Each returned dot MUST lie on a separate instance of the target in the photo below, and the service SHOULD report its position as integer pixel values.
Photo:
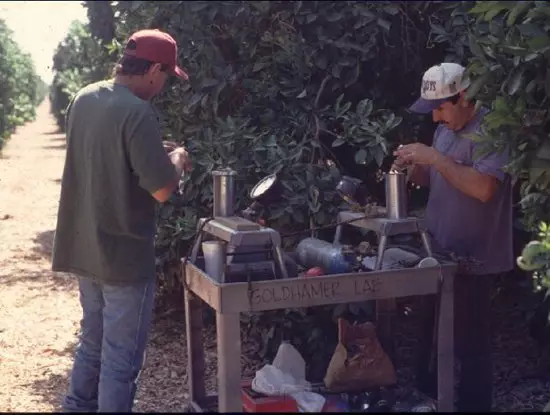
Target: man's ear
(155, 68)
(463, 103)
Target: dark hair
(130, 65)
(454, 99)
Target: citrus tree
(21, 89)
(79, 59)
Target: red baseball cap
(155, 46)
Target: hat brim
(425, 106)
(180, 73)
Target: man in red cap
(116, 171)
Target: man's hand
(416, 153)
(169, 146)
(181, 160)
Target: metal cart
(229, 300)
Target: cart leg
(426, 241)
(337, 235)
(229, 362)
(195, 350)
(385, 309)
(195, 250)
(445, 348)
(281, 260)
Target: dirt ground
(39, 311)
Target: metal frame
(384, 227)
(229, 300)
(261, 236)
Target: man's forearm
(465, 178)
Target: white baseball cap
(439, 83)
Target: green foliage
(79, 60)
(284, 87)
(21, 90)
(536, 257)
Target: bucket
(214, 259)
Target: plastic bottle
(313, 252)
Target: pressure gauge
(263, 186)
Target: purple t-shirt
(465, 225)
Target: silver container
(224, 192)
(313, 252)
(214, 259)
(396, 195)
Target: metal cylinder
(313, 252)
(396, 195)
(224, 192)
(214, 259)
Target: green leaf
(491, 14)
(364, 108)
(361, 156)
(258, 66)
(515, 50)
(438, 29)
(531, 30)
(481, 7)
(321, 61)
(391, 9)
(379, 155)
(384, 24)
(543, 151)
(518, 9)
(538, 43)
(195, 6)
(334, 17)
(262, 6)
(338, 142)
(476, 86)
(310, 18)
(475, 47)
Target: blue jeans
(110, 354)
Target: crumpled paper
(286, 376)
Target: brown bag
(359, 362)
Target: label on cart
(304, 290)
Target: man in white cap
(469, 212)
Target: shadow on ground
(42, 249)
(55, 131)
(43, 244)
(51, 387)
(55, 147)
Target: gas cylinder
(313, 252)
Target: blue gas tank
(313, 252)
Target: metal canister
(313, 252)
(223, 187)
(396, 195)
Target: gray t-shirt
(463, 224)
(115, 159)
